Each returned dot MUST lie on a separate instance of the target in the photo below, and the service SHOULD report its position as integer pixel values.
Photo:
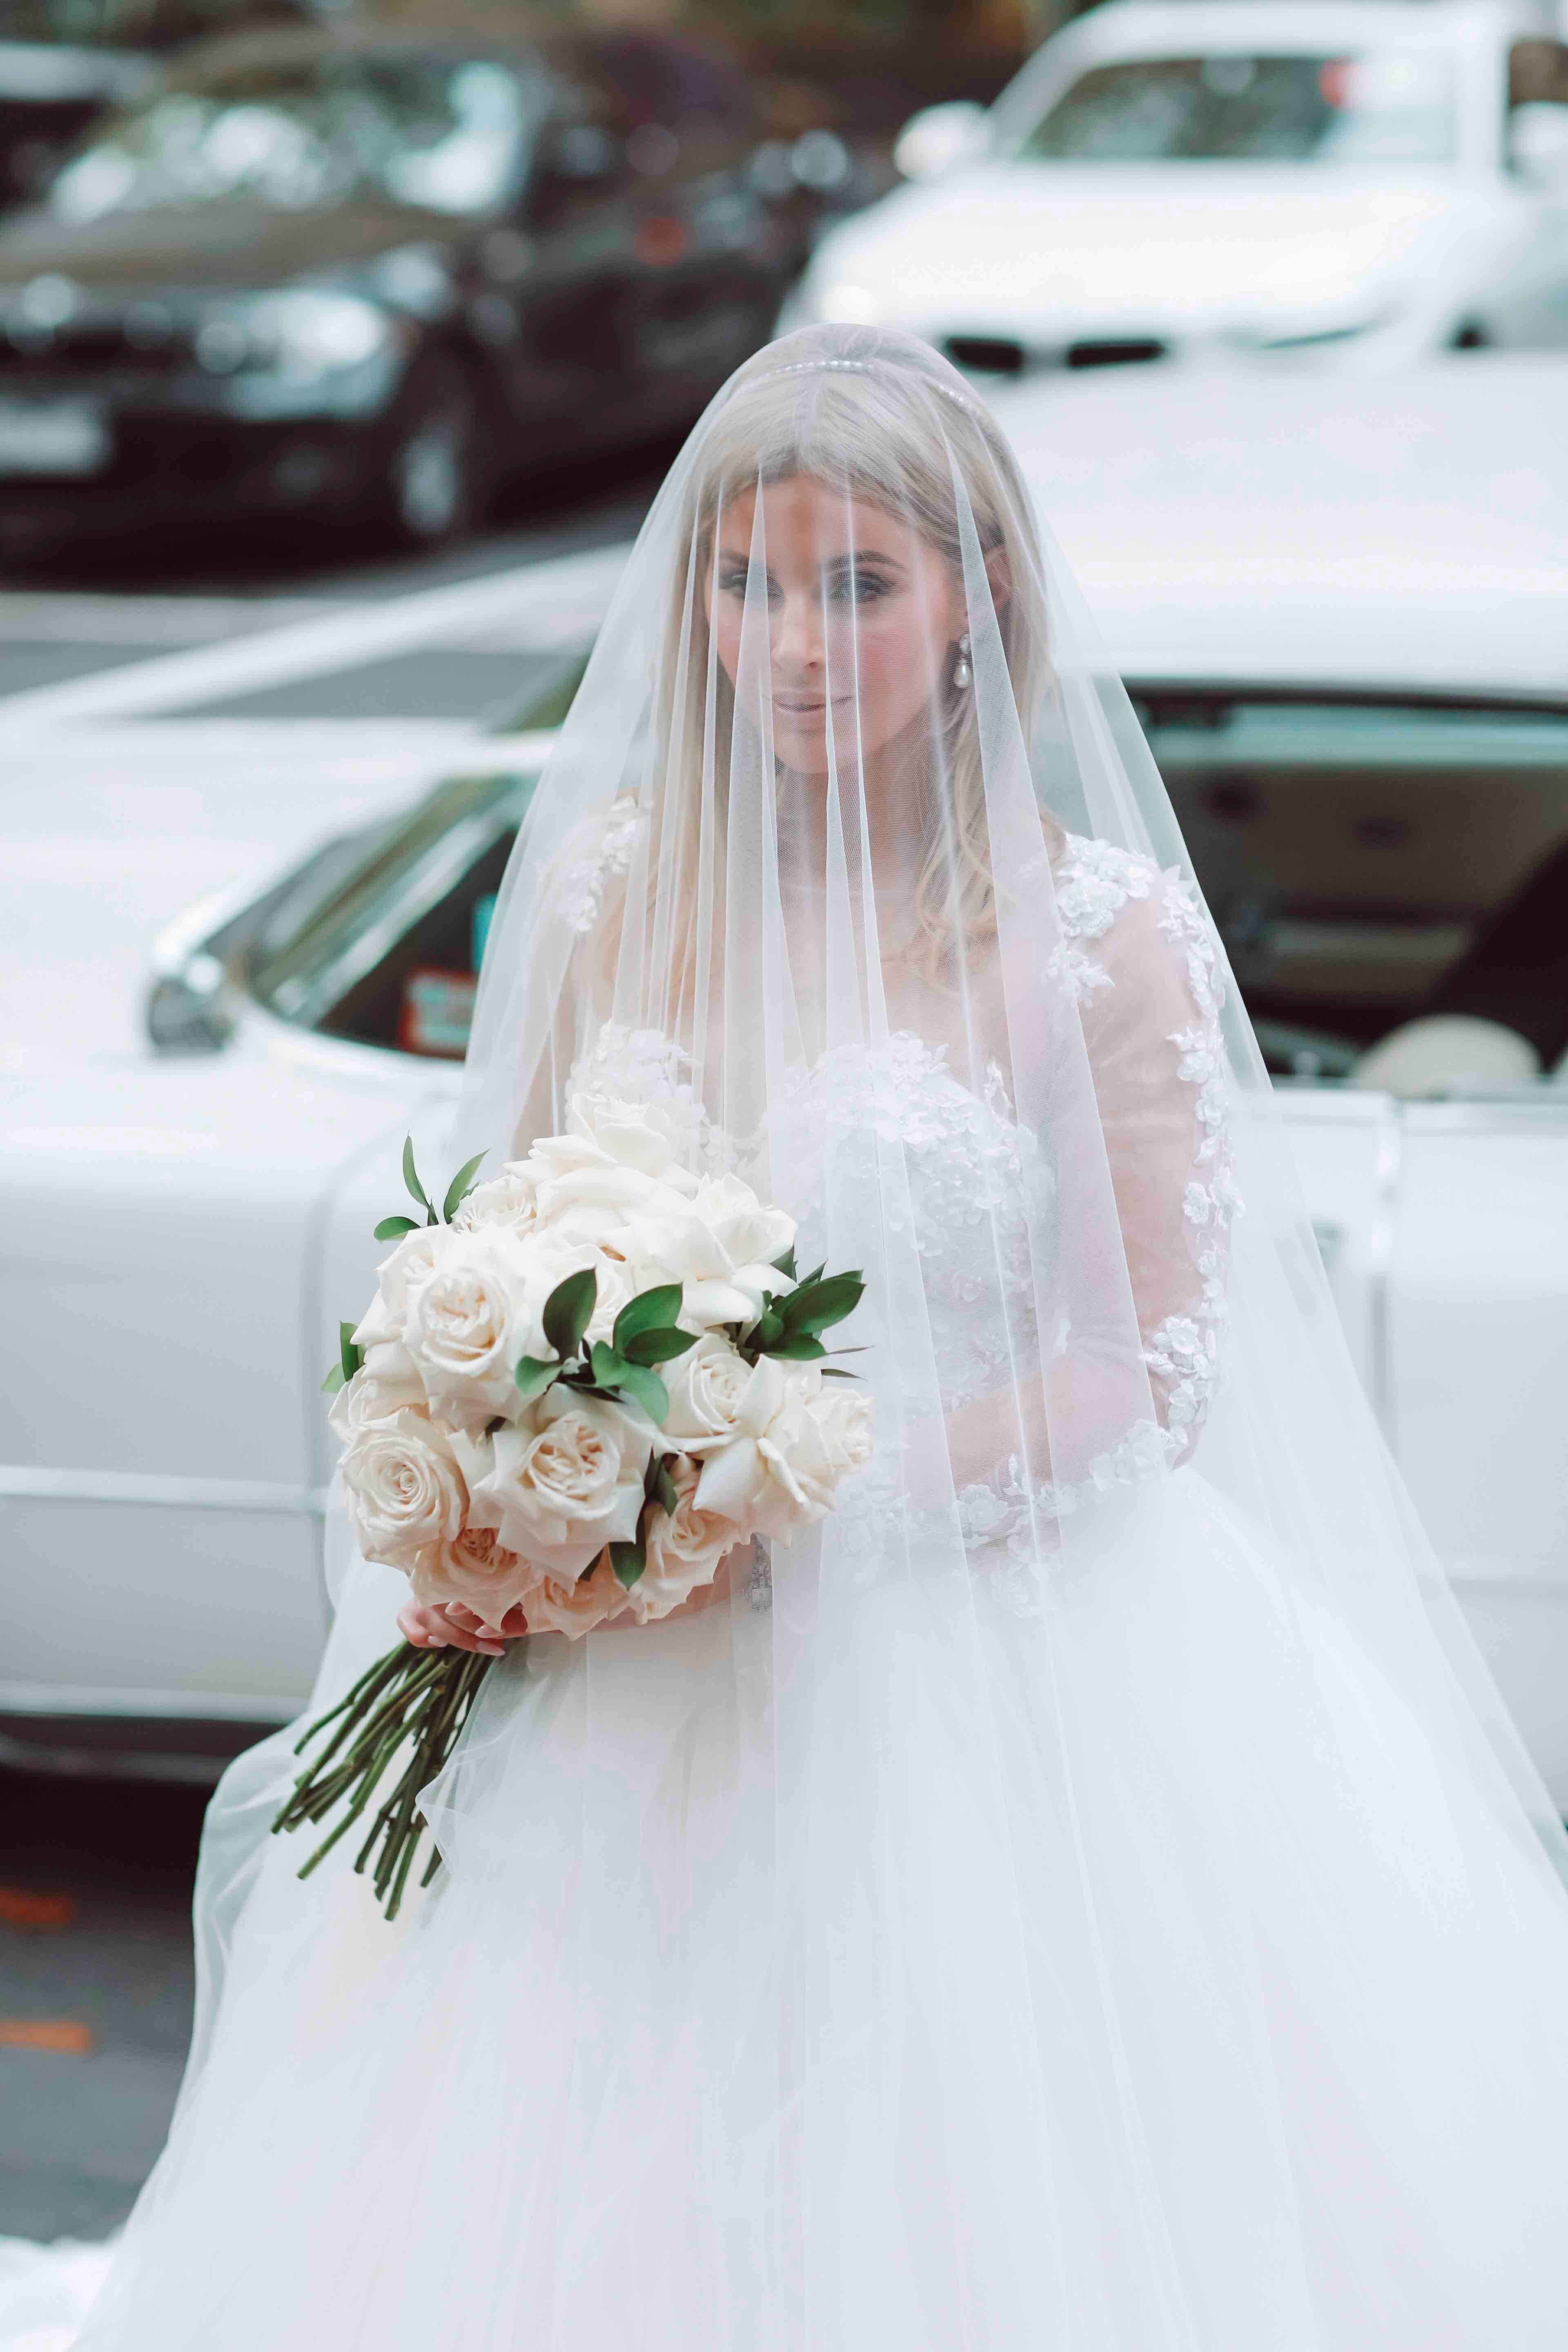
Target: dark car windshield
(446, 135)
(1384, 106)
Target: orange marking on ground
(64, 2035)
(20, 1907)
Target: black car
(321, 272)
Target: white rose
(574, 1605)
(683, 1551)
(716, 1397)
(787, 1477)
(509, 1199)
(467, 1325)
(750, 1233)
(403, 1488)
(475, 1567)
(409, 1266)
(615, 1156)
(371, 1396)
(566, 1481)
(675, 1245)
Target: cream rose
(573, 1606)
(410, 1266)
(716, 1397)
(815, 1441)
(468, 1322)
(749, 1234)
(675, 1245)
(403, 1488)
(565, 1481)
(683, 1551)
(475, 1567)
(509, 1199)
(373, 1396)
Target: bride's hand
(426, 1627)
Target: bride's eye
(860, 587)
(735, 579)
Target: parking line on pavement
(65, 2036)
(22, 1906)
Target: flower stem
(411, 1700)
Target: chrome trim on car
(142, 1490)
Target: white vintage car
(1287, 181)
(1358, 694)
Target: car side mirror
(1537, 143)
(940, 138)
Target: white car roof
(1407, 530)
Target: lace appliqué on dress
(583, 883)
(1095, 880)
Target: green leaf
(392, 1229)
(333, 1382)
(835, 1372)
(411, 1179)
(799, 1347)
(649, 1310)
(767, 1330)
(461, 1185)
(664, 1491)
(533, 1376)
(786, 1265)
(349, 1357)
(568, 1309)
(628, 1560)
(816, 1305)
(643, 1386)
(656, 1346)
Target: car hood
(202, 246)
(1016, 247)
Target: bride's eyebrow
(861, 555)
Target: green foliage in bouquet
(790, 1324)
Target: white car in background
(1260, 179)
(1346, 630)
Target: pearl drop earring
(961, 672)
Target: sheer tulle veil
(1066, 1897)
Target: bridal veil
(1084, 1893)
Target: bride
(1085, 1896)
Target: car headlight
(304, 334)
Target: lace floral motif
(1095, 880)
(979, 1199)
(583, 885)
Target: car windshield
(425, 131)
(1382, 106)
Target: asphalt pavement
(95, 1876)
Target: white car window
(1382, 106)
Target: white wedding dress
(1109, 1959)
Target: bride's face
(862, 619)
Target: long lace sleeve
(1141, 959)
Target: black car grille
(1000, 355)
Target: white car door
(160, 1478)
(1477, 1326)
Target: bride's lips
(803, 706)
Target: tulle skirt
(1111, 1961)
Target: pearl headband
(864, 367)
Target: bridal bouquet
(578, 1387)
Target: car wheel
(436, 480)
